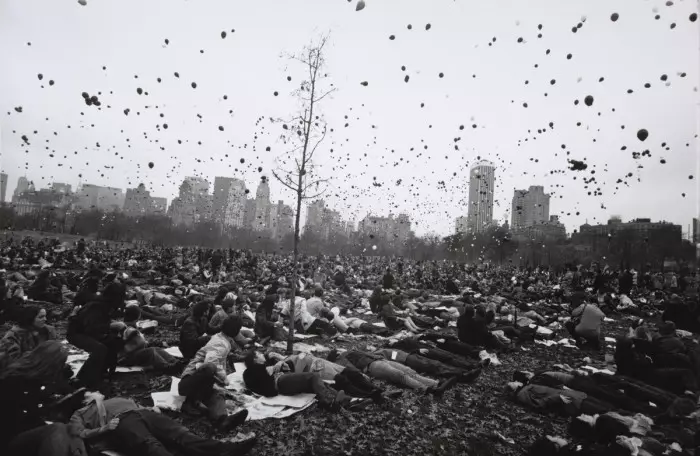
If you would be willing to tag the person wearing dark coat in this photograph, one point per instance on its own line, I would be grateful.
(193, 333)
(388, 280)
(89, 330)
(473, 329)
(42, 290)
(264, 326)
(26, 389)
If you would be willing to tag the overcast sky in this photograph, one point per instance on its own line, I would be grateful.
(117, 46)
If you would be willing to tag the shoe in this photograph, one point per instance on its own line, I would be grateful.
(470, 376)
(229, 422)
(359, 405)
(377, 396)
(444, 386)
(240, 447)
(341, 400)
(395, 394)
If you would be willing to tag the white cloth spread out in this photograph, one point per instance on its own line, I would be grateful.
(259, 408)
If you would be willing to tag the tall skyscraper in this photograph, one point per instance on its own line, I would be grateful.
(222, 187)
(3, 187)
(482, 181)
(193, 204)
(530, 207)
(22, 186)
(696, 230)
(262, 206)
(314, 216)
(137, 201)
(234, 210)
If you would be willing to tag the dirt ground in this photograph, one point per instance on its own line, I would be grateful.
(475, 419)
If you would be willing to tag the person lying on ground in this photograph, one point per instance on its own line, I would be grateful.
(594, 386)
(30, 331)
(452, 345)
(585, 324)
(193, 333)
(346, 378)
(269, 381)
(563, 401)
(119, 424)
(429, 350)
(27, 387)
(377, 367)
(317, 309)
(136, 351)
(304, 320)
(424, 365)
(359, 326)
(89, 330)
(205, 376)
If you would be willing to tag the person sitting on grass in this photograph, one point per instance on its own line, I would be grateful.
(193, 333)
(30, 331)
(204, 377)
(585, 324)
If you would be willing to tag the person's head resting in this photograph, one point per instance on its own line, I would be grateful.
(45, 363)
(333, 355)
(318, 292)
(256, 377)
(200, 309)
(667, 328)
(31, 317)
(232, 326)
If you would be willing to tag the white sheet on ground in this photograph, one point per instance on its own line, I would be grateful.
(301, 347)
(380, 324)
(259, 408)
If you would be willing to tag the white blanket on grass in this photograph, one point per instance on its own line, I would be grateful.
(259, 408)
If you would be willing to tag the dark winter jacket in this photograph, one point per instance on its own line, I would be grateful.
(193, 336)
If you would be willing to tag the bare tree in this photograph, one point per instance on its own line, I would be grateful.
(305, 132)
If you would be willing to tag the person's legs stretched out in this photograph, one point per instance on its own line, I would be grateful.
(173, 434)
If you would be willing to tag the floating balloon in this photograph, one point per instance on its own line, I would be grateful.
(360, 5)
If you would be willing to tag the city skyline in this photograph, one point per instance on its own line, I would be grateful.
(407, 119)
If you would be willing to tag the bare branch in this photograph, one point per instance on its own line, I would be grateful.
(324, 95)
(311, 154)
(316, 183)
(281, 181)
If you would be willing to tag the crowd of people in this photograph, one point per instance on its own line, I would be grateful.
(232, 306)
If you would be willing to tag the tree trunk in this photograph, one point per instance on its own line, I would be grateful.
(292, 301)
